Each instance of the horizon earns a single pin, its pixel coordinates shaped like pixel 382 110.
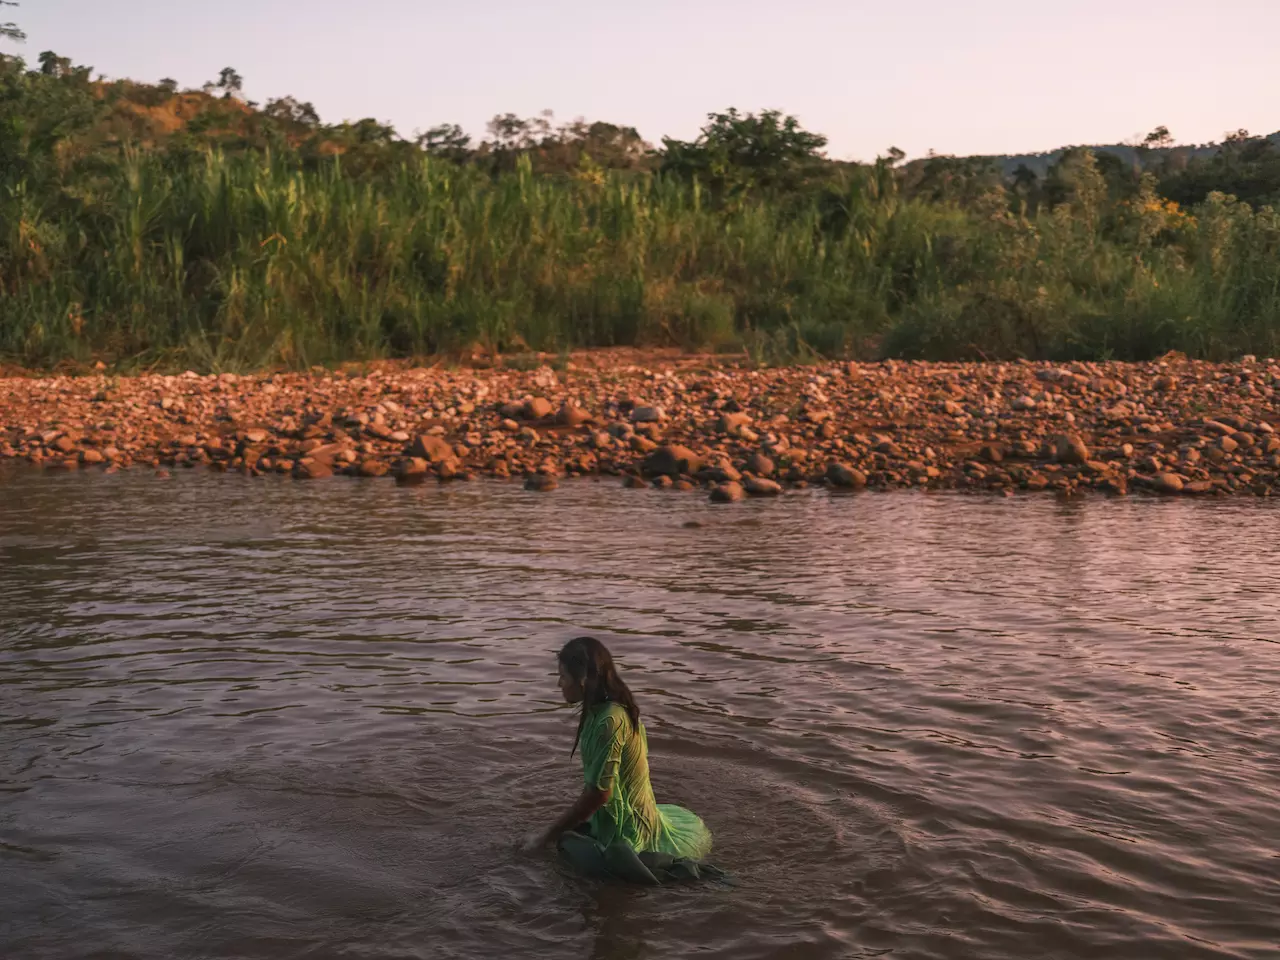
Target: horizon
pixel 908 85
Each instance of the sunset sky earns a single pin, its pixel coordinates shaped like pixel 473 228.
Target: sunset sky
pixel 957 77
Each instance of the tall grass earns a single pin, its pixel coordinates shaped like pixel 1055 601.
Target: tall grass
pixel 234 262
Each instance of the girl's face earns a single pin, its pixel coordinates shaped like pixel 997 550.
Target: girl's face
pixel 570 687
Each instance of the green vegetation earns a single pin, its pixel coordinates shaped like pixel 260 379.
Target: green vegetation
pixel 143 224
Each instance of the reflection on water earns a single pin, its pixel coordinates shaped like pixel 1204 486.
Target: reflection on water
pixel 264 719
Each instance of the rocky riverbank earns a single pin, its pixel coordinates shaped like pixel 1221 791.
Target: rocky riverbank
pixel 1174 427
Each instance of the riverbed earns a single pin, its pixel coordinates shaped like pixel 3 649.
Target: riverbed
pixel 253 718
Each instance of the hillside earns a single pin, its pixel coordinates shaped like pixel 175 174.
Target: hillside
pixel 1135 157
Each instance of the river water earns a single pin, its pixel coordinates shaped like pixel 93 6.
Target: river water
pixel 262 719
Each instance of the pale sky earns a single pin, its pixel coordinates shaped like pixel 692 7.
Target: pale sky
pixel 956 76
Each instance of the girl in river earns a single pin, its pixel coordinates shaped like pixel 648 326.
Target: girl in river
pixel 616 827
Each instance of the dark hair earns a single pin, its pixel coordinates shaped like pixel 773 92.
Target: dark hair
pixel 589 662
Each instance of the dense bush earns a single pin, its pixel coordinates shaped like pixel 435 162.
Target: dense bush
pixel 147 224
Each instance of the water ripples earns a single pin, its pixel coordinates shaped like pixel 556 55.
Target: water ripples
pixel 263 719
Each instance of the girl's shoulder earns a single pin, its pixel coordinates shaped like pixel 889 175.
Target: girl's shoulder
pixel 609 715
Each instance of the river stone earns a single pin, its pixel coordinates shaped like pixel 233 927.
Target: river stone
pixel 762 487
pixel 727 493
pixel 731 423
pixel 843 475
pixel 308 469
pixel 647 415
pixel 535 408
pixel 571 416
pixel 1069 449
pixel 411 467
pixel 671 460
pixel 720 473
pixel 541 482
pixel 430 449
pixel 373 468
pixel 1167 483
pixel 759 464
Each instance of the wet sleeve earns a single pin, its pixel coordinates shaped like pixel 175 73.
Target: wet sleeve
pixel 602 755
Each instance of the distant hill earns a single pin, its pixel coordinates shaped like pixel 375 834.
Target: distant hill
pixel 1136 157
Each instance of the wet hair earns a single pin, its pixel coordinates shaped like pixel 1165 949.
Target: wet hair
pixel 590 664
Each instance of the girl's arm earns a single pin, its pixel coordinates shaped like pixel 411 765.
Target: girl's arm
pixel 591 800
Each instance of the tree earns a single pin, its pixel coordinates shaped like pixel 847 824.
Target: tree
pixel 290 110
pixel 1158 139
pixel 945 179
pixel 229 82
pixel 10 31
pixel 737 153
pixel 446 140
pixel 1245 166
pixel 52 65
pixel 510 132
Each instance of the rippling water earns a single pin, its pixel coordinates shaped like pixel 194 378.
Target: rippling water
pixel 266 719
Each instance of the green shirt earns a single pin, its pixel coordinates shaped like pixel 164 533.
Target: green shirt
pixel 615 759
